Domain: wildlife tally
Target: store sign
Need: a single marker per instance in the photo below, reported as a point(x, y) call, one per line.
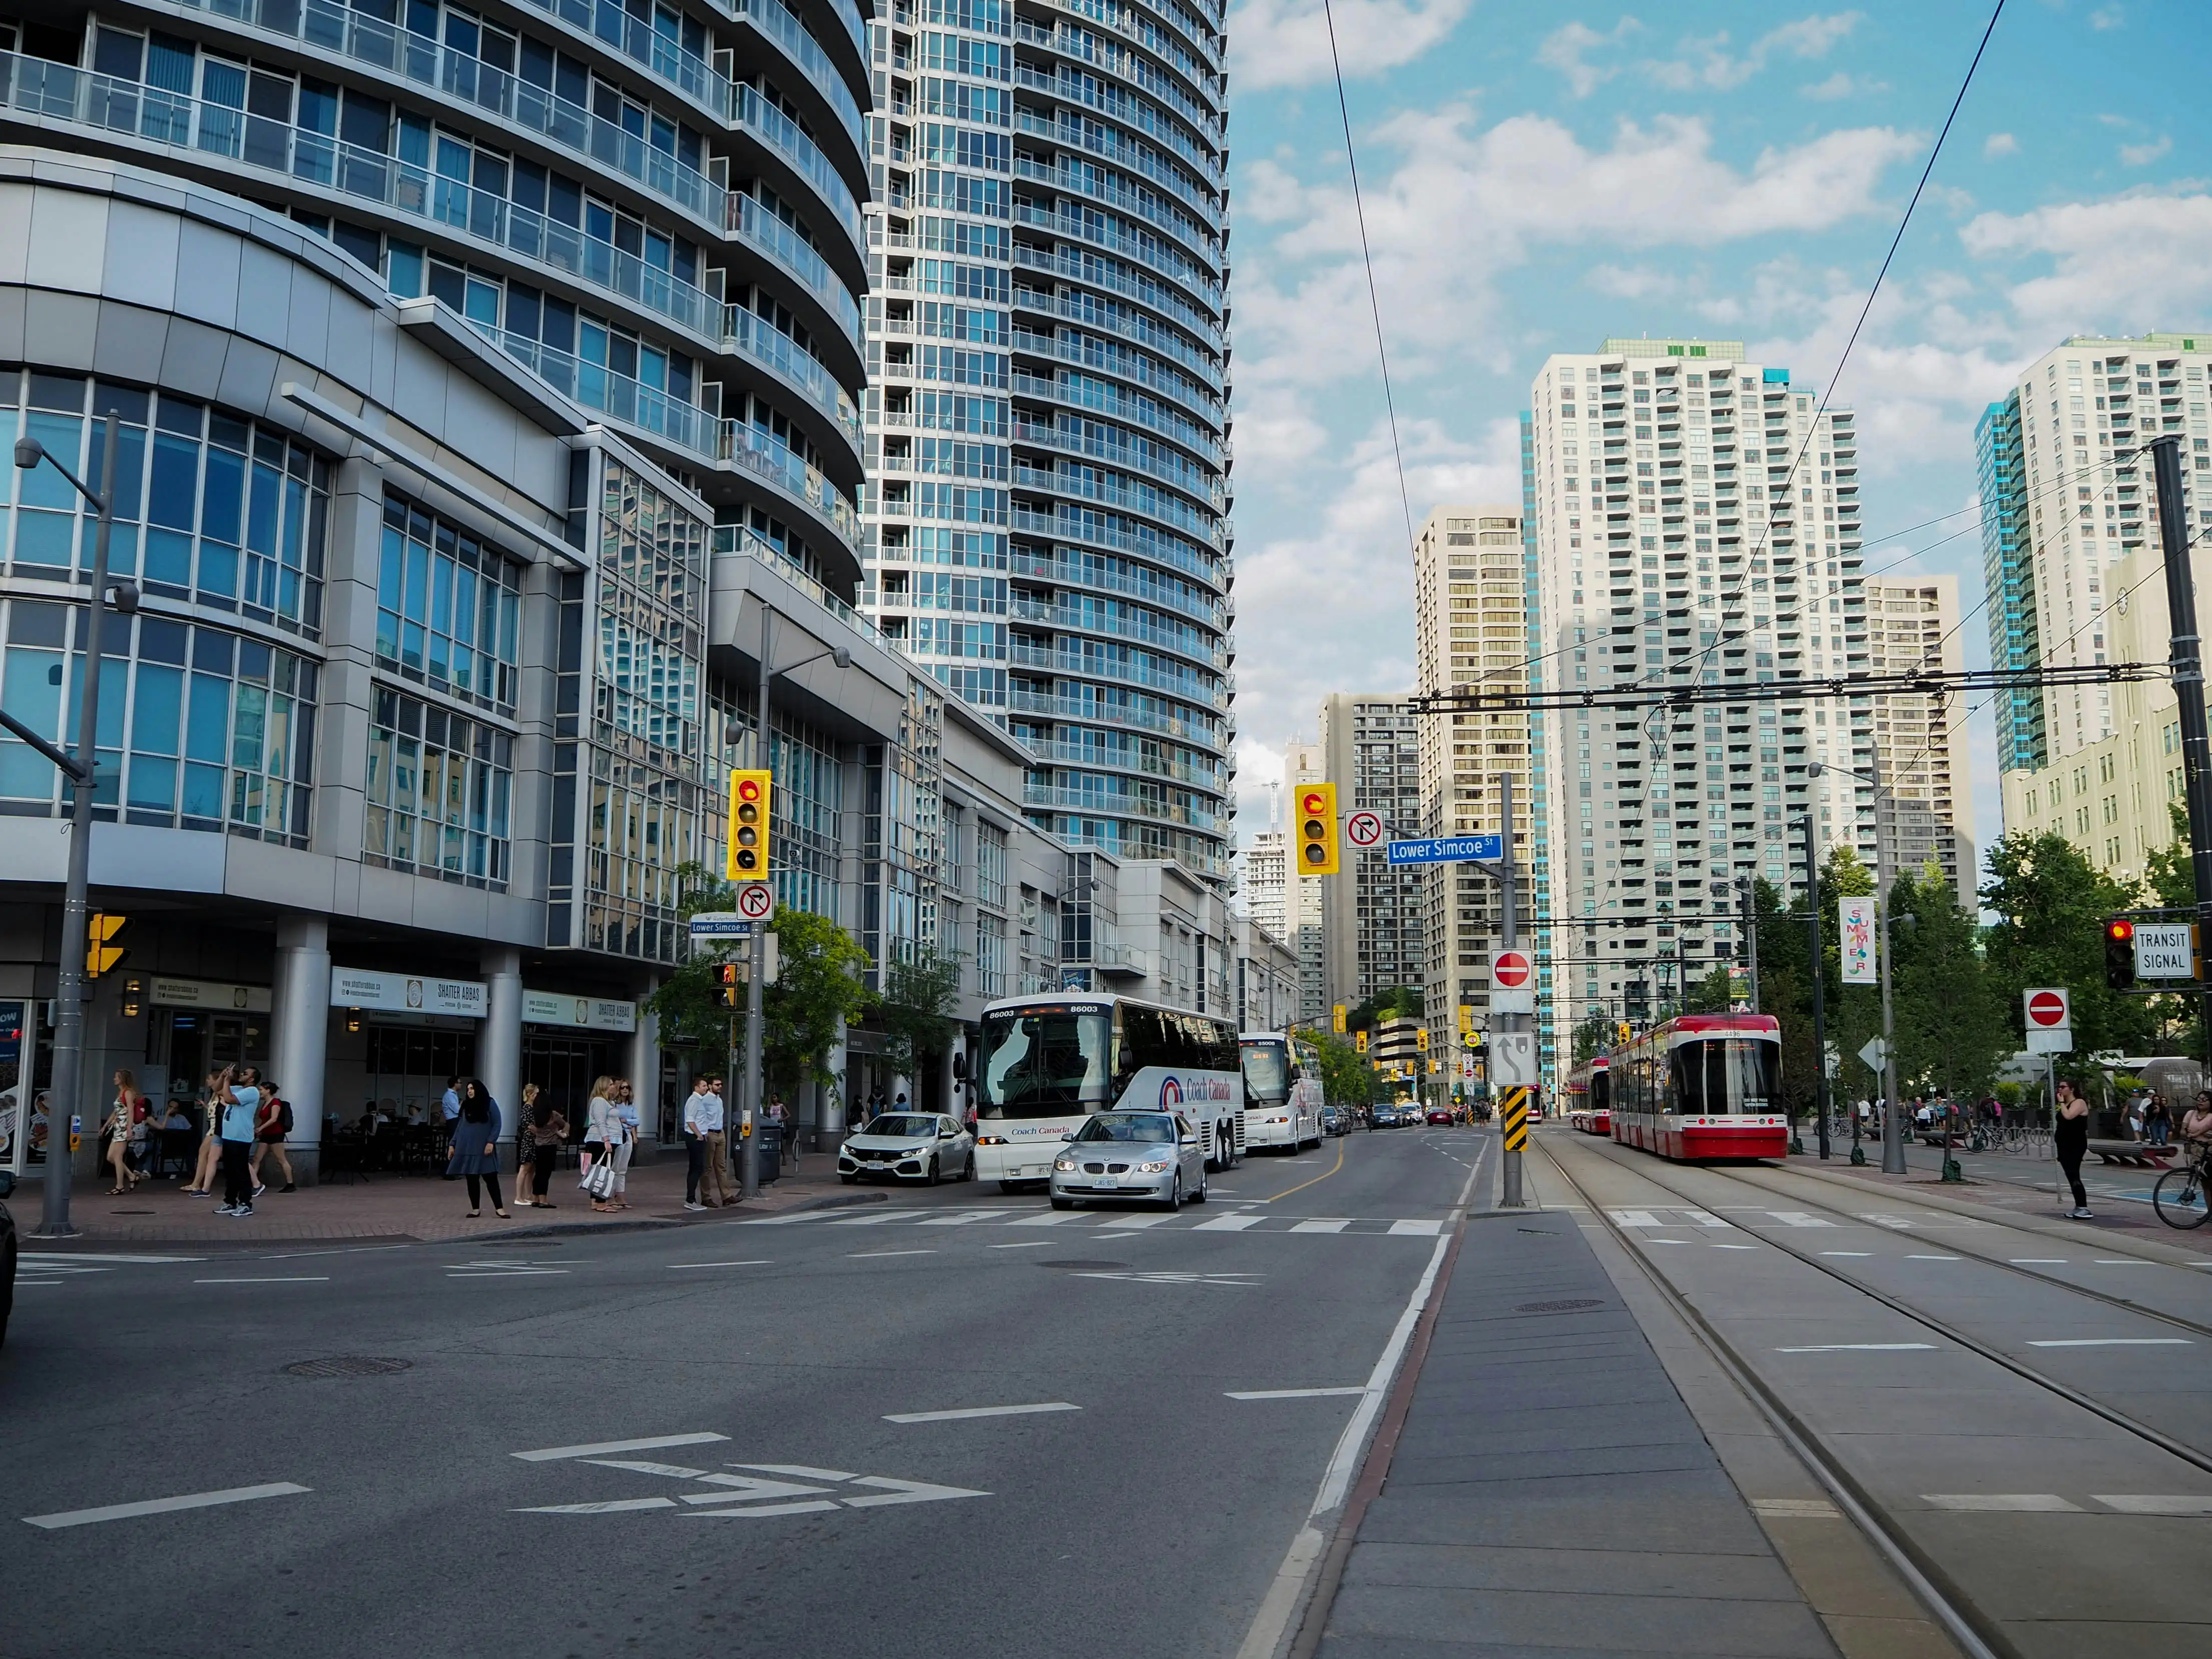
point(586, 1013)
point(356, 987)
point(205, 993)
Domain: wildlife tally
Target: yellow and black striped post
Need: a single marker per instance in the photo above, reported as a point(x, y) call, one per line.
point(1513, 1116)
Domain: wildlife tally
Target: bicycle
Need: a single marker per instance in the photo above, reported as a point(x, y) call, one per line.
point(2178, 1195)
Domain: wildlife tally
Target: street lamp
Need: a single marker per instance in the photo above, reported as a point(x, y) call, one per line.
point(1892, 1127)
point(69, 989)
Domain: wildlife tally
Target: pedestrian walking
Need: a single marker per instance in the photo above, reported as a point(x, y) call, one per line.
point(718, 1154)
point(545, 1127)
point(476, 1147)
point(2070, 1139)
point(599, 1119)
point(275, 1122)
point(703, 1115)
point(203, 1184)
point(625, 1113)
point(238, 1103)
point(126, 1131)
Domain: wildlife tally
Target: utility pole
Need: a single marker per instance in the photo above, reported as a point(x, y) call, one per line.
point(1819, 990)
point(1893, 1124)
point(2187, 657)
point(67, 1082)
point(1751, 936)
point(749, 1113)
point(1509, 938)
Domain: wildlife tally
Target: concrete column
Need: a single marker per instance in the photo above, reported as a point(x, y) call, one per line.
point(299, 1027)
point(644, 1067)
point(499, 1045)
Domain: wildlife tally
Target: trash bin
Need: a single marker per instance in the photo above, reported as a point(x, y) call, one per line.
point(771, 1152)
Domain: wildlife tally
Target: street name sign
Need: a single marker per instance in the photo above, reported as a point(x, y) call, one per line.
point(721, 924)
point(1449, 849)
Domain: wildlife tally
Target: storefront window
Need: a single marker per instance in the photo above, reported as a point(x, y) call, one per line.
point(209, 507)
point(199, 727)
point(438, 790)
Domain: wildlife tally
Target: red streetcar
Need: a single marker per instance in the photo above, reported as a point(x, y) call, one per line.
point(1587, 1106)
point(1701, 1086)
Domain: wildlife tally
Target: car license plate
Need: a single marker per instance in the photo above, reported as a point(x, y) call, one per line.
point(1110, 1181)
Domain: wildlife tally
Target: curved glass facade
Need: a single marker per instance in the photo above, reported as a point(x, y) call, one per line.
point(652, 206)
point(1047, 427)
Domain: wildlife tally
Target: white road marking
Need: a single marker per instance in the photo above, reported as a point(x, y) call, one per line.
point(1796, 1508)
point(1025, 1244)
point(604, 1446)
point(2121, 1261)
point(1666, 1240)
point(1847, 1253)
point(509, 1273)
point(1859, 1347)
point(2152, 1504)
point(748, 1488)
point(1800, 1218)
point(2036, 1260)
point(871, 1255)
point(761, 1262)
point(34, 1284)
point(1935, 1258)
point(961, 1217)
point(2114, 1342)
point(1228, 1223)
point(198, 1500)
point(1235, 1281)
point(291, 1278)
point(1703, 1219)
point(80, 1255)
point(1635, 1218)
point(2002, 1503)
point(1896, 1222)
point(1717, 1247)
point(1415, 1229)
point(874, 1220)
point(807, 1507)
point(1130, 1223)
point(1292, 1394)
point(611, 1506)
point(800, 1469)
point(1052, 1218)
point(905, 1492)
point(1321, 1226)
point(981, 1411)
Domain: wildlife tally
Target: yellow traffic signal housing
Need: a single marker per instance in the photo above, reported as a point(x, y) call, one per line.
point(749, 821)
point(1339, 1019)
point(100, 954)
point(1466, 1020)
point(732, 984)
point(1622, 1031)
point(1360, 1041)
point(1317, 832)
point(1421, 1039)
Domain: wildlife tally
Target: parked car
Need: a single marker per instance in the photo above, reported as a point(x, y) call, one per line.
point(1145, 1155)
point(924, 1147)
point(1440, 1116)
point(7, 1253)
point(1332, 1121)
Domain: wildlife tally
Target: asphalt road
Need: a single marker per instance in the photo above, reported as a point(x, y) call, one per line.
point(1144, 1514)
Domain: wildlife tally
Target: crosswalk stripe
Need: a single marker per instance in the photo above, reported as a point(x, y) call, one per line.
point(1321, 1226)
point(1229, 1224)
point(1126, 1224)
point(961, 1217)
point(1049, 1218)
point(1416, 1229)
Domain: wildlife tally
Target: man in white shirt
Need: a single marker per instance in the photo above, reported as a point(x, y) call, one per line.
point(703, 1134)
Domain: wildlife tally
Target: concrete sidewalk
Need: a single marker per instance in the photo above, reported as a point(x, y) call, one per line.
point(1550, 1492)
point(398, 1208)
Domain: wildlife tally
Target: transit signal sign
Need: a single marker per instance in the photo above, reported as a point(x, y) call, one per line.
point(1317, 829)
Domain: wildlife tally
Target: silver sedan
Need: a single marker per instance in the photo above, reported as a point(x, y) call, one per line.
point(1152, 1155)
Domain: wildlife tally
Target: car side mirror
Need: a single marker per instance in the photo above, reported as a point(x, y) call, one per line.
point(948, 1133)
point(1070, 1135)
point(1190, 1140)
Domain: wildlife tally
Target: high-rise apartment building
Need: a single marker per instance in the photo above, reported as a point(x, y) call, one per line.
point(2065, 500)
point(1372, 929)
point(1048, 429)
point(1267, 871)
point(1470, 627)
point(1920, 739)
point(1697, 523)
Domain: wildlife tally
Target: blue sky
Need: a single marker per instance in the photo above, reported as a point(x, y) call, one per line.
point(1539, 176)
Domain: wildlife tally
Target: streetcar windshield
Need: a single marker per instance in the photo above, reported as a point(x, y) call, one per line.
point(1601, 1093)
point(1049, 1063)
point(1716, 1076)
point(1267, 1074)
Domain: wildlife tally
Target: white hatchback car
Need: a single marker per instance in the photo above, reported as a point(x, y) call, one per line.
point(925, 1147)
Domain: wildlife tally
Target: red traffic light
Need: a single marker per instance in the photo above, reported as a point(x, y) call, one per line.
point(748, 789)
point(2119, 929)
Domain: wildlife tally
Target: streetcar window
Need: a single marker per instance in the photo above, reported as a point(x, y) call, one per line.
point(1718, 1076)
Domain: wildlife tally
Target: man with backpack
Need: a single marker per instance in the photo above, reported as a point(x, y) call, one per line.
point(272, 1124)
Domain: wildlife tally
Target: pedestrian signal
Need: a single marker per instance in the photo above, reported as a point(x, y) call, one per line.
point(100, 953)
point(749, 821)
point(1317, 836)
point(732, 983)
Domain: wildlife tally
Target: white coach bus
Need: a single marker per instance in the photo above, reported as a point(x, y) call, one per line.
point(1282, 1091)
point(1048, 1062)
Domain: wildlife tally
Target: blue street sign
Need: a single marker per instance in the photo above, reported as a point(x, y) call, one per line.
point(721, 924)
point(1449, 849)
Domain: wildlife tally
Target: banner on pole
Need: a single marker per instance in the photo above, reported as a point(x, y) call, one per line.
point(1855, 929)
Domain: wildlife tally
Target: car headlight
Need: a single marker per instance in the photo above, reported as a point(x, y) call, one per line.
point(1157, 1166)
point(1065, 1165)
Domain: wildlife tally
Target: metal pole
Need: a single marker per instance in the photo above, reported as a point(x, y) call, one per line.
point(1509, 938)
point(2188, 660)
point(1819, 991)
point(68, 1079)
point(1751, 935)
point(749, 1113)
point(1892, 1126)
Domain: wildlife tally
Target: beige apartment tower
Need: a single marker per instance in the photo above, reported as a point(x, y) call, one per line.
point(1920, 741)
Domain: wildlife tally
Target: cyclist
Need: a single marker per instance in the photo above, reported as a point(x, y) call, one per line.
point(2197, 1125)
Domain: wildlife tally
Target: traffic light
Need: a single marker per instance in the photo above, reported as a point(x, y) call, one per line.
point(1421, 1039)
point(1466, 1020)
point(733, 985)
point(1339, 1019)
point(1360, 1041)
point(749, 820)
point(1620, 1031)
point(1317, 847)
point(100, 953)
point(2120, 954)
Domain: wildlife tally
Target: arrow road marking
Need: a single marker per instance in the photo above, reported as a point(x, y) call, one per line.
point(606, 1446)
point(198, 1500)
point(736, 1495)
point(981, 1411)
point(905, 1492)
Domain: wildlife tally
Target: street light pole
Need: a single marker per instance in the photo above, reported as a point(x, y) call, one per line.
point(1819, 992)
point(2188, 660)
point(749, 1115)
point(1892, 1127)
point(67, 1080)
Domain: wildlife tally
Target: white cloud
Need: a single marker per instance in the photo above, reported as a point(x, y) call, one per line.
point(1708, 62)
point(1285, 43)
point(1999, 143)
point(1841, 85)
point(1564, 49)
point(2142, 156)
point(2129, 263)
point(2108, 17)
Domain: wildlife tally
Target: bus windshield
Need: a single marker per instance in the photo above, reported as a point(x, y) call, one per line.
point(1716, 1076)
point(1267, 1074)
point(1046, 1062)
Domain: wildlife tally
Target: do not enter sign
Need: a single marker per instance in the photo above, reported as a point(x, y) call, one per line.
point(2049, 1010)
point(1512, 982)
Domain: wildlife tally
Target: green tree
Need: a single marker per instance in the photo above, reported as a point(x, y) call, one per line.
point(2052, 903)
point(1952, 1033)
point(918, 994)
point(1345, 1077)
point(1593, 1037)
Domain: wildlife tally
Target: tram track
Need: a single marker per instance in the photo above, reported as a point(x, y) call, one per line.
point(1975, 1622)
